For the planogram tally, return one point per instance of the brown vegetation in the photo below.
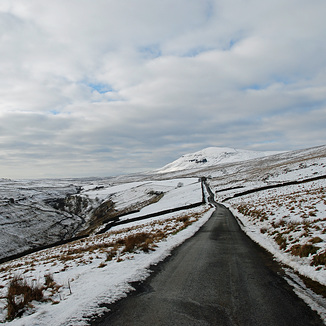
(286, 231)
(303, 250)
(280, 240)
(20, 295)
(117, 245)
(319, 259)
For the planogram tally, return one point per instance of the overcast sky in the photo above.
(101, 87)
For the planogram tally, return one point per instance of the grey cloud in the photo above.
(177, 76)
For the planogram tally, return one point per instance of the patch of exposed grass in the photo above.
(118, 245)
(316, 240)
(137, 241)
(20, 295)
(280, 240)
(303, 250)
(319, 259)
(102, 264)
(263, 230)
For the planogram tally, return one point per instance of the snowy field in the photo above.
(77, 277)
(291, 223)
(175, 193)
(36, 213)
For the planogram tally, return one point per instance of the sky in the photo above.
(102, 87)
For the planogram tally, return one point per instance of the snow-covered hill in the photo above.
(76, 278)
(213, 156)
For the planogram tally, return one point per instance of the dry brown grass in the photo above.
(111, 254)
(102, 264)
(254, 213)
(316, 240)
(304, 250)
(319, 259)
(280, 240)
(137, 241)
(118, 245)
(20, 295)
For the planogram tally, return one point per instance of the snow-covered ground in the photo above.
(176, 193)
(100, 204)
(212, 156)
(291, 223)
(26, 221)
(29, 217)
(77, 277)
(288, 220)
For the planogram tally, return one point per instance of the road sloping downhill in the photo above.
(217, 277)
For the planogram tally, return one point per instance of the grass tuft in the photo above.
(281, 241)
(316, 240)
(304, 250)
(137, 241)
(319, 259)
(20, 295)
(49, 281)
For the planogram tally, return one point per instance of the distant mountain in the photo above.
(213, 156)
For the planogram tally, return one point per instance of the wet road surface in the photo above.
(218, 277)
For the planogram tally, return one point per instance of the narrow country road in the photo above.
(218, 277)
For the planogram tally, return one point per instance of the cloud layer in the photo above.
(96, 88)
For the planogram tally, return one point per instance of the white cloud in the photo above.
(107, 87)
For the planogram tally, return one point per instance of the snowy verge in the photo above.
(299, 265)
(315, 301)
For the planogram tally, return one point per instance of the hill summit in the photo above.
(213, 156)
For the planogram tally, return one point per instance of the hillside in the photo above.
(77, 277)
(212, 156)
(38, 213)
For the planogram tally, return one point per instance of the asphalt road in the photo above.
(218, 277)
